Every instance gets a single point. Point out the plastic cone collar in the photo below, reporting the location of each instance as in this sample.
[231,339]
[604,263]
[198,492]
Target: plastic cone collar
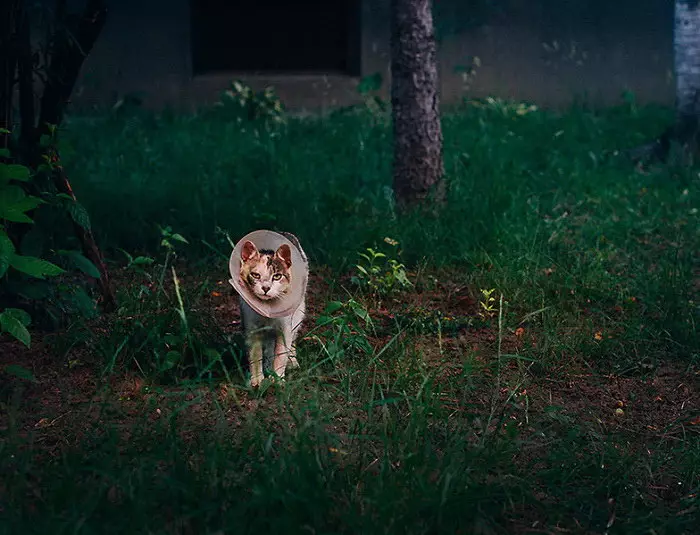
[268,239]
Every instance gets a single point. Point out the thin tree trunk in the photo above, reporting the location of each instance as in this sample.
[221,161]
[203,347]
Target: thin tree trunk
[686,47]
[418,166]
[687,65]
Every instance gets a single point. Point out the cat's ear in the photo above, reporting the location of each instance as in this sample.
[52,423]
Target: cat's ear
[249,251]
[284,253]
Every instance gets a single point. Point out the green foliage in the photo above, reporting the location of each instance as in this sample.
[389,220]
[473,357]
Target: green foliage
[344,329]
[25,197]
[14,205]
[240,102]
[369,87]
[380,273]
[14,322]
[156,328]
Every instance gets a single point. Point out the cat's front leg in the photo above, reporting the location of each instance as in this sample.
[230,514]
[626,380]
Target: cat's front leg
[255,360]
[281,352]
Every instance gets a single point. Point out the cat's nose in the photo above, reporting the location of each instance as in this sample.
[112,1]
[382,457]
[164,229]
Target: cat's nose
[265,289]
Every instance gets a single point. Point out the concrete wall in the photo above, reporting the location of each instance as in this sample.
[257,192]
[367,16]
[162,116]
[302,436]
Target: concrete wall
[603,48]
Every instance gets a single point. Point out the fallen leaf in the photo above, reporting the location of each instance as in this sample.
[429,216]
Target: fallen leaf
[598,336]
[519,331]
[695,421]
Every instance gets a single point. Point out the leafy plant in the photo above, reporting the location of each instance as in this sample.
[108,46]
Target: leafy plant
[15,204]
[241,102]
[487,307]
[343,329]
[155,328]
[380,273]
[14,322]
[368,87]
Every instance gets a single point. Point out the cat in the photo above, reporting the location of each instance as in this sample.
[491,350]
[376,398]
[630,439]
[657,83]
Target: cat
[268,275]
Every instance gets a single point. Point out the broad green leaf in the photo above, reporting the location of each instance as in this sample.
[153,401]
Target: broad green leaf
[16,216]
[36,267]
[14,172]
[28,203]
[142,261]
[4,153]
[14,202]
[179,237]
[82,263]
[10,195]
[7,251]
[333,306]
[14,328]
[76,210]
[79,214]
[20,315]
[21,372]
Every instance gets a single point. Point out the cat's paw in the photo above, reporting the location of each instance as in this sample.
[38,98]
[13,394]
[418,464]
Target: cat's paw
[255,381]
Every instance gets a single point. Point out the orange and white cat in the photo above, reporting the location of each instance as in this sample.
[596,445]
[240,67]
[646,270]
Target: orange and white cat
[268,275]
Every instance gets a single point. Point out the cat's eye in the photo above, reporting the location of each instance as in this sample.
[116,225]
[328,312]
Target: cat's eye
[276,276]
[255,275]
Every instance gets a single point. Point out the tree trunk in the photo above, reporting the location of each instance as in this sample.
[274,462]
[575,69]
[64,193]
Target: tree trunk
[686,44]
[686,48]
[418,166]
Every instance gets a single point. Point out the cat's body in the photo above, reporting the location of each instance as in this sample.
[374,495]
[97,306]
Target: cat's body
[268,340]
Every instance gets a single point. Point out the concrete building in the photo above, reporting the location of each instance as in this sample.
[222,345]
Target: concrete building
[185,52]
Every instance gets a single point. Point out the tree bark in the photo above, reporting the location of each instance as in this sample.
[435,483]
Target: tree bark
[686,47]
[418,166]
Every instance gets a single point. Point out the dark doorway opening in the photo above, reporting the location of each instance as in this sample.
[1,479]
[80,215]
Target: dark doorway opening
[276,36]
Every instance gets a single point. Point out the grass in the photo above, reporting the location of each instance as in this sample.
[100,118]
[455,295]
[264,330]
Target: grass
[571,407]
